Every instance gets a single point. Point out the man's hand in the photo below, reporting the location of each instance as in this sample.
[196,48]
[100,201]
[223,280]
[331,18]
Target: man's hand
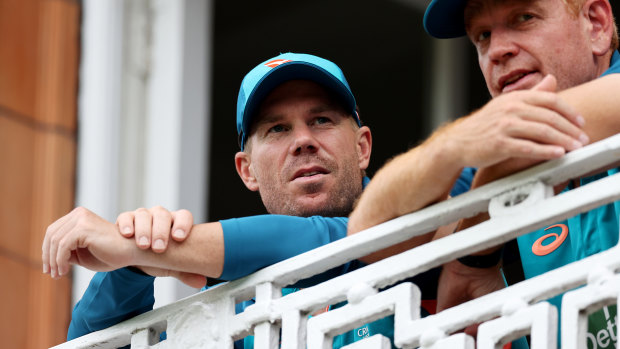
[531,124]
[81,237]
[153,227]
[459,283]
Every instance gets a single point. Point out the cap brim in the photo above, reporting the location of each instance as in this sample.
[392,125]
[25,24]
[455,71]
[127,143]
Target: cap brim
[295,70]
[444,19]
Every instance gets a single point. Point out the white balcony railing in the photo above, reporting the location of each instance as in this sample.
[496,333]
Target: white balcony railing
[518,204]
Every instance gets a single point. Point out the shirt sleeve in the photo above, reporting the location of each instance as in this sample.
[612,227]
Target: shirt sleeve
[252,243]
[463,183]
[110,298]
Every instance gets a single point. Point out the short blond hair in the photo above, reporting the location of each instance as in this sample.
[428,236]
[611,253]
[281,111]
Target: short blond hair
[575,6]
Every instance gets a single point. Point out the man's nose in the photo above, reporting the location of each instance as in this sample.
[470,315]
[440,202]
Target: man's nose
[502,46]
[303,141]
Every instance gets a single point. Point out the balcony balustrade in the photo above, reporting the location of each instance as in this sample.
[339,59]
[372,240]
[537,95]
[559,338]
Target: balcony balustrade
[517,205]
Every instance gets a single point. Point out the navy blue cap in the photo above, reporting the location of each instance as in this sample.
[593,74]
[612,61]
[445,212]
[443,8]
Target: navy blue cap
[445,19]
[261,80]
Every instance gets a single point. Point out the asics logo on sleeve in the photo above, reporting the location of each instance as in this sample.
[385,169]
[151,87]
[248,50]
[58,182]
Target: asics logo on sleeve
[542,250]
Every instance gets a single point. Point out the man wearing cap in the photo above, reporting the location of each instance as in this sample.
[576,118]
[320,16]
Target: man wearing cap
[526,50]
[303,149]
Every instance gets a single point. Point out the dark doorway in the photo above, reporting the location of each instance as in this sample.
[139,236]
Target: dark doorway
[380,45]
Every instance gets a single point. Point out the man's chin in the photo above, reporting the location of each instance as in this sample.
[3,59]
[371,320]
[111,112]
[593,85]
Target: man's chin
[320,207]
[312,203]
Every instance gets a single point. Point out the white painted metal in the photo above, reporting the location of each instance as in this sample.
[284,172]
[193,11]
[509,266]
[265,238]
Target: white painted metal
[603,290]
[439,340]
[294,325]
[267,334]
[99,116]
[144,338]
[176,136]
[402,300]
[508,313]
[374,342]
[539,320]
[143,112]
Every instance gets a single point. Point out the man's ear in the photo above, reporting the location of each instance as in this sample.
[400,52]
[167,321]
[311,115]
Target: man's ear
[600,17]
[364,146]
[243,163]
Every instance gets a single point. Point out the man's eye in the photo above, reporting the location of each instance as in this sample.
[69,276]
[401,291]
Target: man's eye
[483,36]
[276,128]
[322,120]
[524,17]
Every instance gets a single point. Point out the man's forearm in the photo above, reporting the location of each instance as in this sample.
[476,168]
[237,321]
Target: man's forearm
[535,125]
[598,103]
[410,181]
[201,253]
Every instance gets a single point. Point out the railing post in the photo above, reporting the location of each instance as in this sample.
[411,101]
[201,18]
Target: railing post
[267,334]
[144,338]
[438,340]
[201,325]
[518,319]
[294,332]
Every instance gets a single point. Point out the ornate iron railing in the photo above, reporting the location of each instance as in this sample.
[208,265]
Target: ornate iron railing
[517,204]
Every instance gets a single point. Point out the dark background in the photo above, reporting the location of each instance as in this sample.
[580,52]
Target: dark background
[381,47]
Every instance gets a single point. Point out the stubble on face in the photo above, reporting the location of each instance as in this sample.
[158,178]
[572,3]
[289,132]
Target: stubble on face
[314,199]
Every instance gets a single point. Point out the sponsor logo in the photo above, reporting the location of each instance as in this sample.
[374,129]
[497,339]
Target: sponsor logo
[607,333]
[363,332]
[277,62]
[542,250]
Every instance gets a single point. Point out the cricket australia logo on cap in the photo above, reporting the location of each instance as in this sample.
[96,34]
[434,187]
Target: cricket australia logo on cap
[277,62]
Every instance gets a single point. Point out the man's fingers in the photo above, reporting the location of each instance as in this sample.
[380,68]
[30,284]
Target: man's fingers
[565,118]
[548,83]
[182,224]
[553,102]
[143,227]
[53,249]
[542,118]
[45,251]
[162,220]
[65,246]
[544,134]
[45,247]
[53,235]
[527,149]
[561,124]
[125,223]
[152,228]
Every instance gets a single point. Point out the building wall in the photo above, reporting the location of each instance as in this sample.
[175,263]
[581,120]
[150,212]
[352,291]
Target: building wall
[38,86]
